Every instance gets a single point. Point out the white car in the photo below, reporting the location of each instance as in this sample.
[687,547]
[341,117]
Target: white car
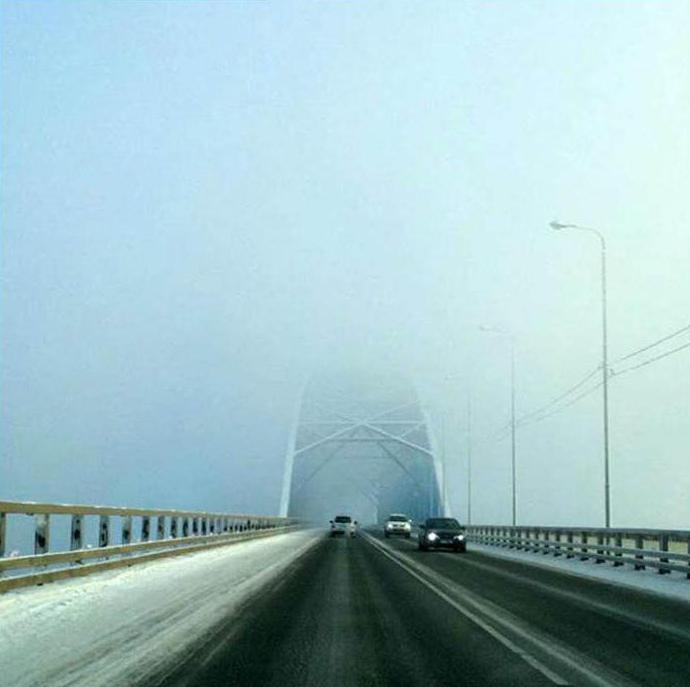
[397,524]
[343,525]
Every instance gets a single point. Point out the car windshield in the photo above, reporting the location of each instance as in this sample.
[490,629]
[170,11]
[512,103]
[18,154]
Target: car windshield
[343,518]
[397,518]
[443,523]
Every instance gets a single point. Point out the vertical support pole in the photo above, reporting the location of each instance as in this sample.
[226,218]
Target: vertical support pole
[42,534]
[195,526]
[173,527]
[546,539]
[126,529]
[3,533]
[145,528]
[639,544]
[600,542]
[663,546]
[103,531]
[160,527]
[211,525]
[618,542]
[76,537]
[569,538]
[204,526]
[557,548]
[583,546]
[185,526]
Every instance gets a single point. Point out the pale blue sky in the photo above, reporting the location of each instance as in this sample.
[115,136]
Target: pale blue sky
[203,200]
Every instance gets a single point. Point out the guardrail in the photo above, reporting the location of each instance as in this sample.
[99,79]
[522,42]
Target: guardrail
[665,550]
[175,532]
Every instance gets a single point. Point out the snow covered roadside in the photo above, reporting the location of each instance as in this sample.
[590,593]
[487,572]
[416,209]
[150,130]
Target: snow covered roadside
[117,628]
[674,585]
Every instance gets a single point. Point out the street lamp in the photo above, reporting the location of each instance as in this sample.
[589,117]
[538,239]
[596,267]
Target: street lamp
[512,412]
[558,226]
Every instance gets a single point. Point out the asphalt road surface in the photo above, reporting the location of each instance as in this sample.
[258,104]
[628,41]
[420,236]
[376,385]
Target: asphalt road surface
[367,612]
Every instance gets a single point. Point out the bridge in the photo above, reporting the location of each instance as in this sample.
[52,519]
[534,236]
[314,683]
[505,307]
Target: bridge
[111,595]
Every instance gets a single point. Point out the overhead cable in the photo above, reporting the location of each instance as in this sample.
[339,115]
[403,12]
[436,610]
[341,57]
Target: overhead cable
[559,398]
[616,373]
[652,345]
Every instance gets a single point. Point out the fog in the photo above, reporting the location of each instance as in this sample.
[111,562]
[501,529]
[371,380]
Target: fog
[203,204]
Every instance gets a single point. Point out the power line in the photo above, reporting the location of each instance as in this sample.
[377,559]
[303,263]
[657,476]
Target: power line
[559,398]
[571,402]
[539,414]
[615,373]
[651,345]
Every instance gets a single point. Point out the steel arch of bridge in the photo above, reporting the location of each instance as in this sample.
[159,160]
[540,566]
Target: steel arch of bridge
[364,446]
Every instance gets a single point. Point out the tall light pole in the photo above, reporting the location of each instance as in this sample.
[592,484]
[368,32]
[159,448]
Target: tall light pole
[468,437]
[512,415]
[604,359]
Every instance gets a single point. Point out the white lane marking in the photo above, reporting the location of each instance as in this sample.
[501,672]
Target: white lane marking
[569,657]
[553,677]
[603,608]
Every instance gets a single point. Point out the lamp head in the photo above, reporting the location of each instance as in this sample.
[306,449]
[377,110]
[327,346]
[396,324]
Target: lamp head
[558,225]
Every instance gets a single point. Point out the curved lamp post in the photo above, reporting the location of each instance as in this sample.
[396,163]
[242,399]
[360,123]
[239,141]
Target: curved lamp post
[558,226]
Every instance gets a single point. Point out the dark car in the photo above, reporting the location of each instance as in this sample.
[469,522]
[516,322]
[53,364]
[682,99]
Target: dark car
[441,533]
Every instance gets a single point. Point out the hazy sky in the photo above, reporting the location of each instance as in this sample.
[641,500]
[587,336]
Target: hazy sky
[203,201]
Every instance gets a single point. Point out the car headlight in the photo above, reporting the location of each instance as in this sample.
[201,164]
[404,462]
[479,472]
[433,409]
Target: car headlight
[460,537]
[406,526]
[432,536]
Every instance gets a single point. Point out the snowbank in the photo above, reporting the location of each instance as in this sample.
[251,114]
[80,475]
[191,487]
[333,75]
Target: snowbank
[117,628]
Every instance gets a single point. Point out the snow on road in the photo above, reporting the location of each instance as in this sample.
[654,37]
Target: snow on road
[118,628]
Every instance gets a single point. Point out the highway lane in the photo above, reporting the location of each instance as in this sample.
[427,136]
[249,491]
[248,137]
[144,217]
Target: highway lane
[372,612]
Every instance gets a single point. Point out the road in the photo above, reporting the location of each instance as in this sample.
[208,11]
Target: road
[368,612]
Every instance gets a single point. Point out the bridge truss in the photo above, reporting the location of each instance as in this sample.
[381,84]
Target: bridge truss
[361,446]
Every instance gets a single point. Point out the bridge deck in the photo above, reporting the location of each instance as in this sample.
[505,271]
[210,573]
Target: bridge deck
[303,609]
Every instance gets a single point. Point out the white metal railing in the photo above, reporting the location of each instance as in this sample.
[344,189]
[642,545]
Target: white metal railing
[665,550]
[144,534]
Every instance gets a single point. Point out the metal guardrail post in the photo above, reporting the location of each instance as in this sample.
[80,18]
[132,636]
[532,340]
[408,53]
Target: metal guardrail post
[583,546]
[126,529]
[160,527]
[173,527]
[76,537]
[600,552]
[557,550]
[42,534]
[569,537]
[639,544]
[663,546]
[145,528]
[103,531]
[195,526]
[618,541]
[3,533]
[185,527]
[204,526]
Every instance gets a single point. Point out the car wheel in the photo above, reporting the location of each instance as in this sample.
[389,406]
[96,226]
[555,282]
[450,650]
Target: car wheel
[386,535]
[407,535]
[422,547]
